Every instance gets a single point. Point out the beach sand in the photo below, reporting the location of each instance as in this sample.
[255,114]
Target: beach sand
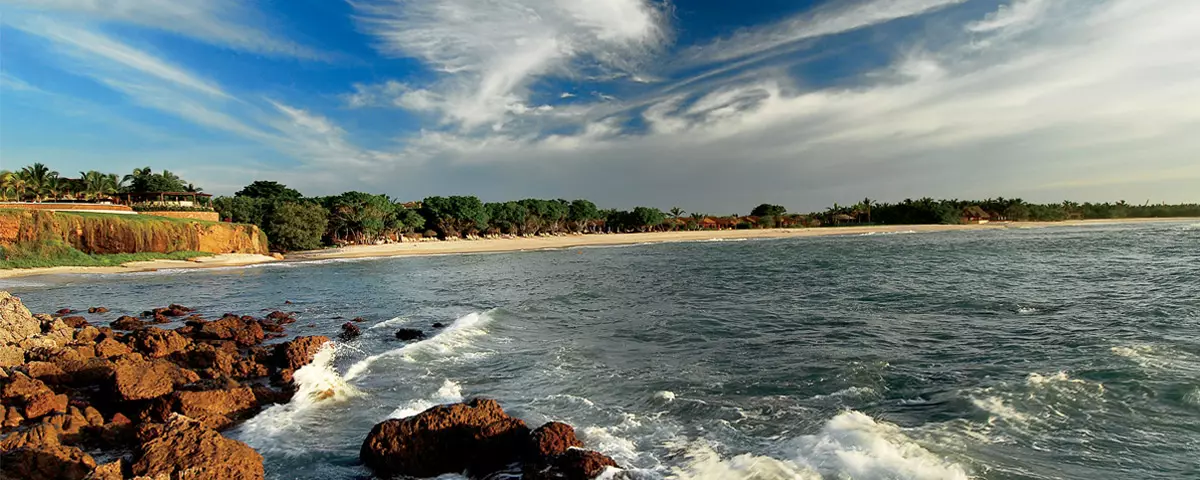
[555,242]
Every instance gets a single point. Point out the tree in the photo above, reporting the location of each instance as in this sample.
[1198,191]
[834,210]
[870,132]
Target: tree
[455,216]
[296,226]
[507,217]
[358,217]
[243,210]
[270,190]
[676,213]
[647,218]
[582,213]
[866,205]
[97,184]
[38,178]
[768,210]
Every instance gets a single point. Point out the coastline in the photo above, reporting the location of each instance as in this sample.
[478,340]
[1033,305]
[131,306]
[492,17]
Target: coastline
[551,243]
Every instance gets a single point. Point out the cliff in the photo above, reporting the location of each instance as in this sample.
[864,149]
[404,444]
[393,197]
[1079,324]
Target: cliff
[97,233]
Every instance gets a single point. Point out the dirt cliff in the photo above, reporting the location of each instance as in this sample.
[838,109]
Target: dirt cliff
[108,233]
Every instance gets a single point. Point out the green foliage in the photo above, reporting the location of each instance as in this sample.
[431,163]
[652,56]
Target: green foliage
[582,213]
[641,219]
[56,253]
[243,209]
[507,217]
[171,208]
[296,226]
[144,180]
[454,216]
[269,190]
[768,210]
[358,217]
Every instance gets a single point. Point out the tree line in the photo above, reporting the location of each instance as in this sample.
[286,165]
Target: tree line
[931,211]
[38,183]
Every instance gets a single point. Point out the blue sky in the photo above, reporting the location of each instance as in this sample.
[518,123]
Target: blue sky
[710,105]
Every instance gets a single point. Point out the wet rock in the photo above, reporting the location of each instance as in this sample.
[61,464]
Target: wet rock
[50,462]
[278,315]
[64,311]
[573,464]
[158,343]
[552,439]
[161,319]
[126,322]
[350,331]
[188,449]
[407,334]
[16,323]
[439,325]
[97,310]
[265,395]
[299,352]
[435,441]
[75,322]
[172,311]
[358,320]
[214,408]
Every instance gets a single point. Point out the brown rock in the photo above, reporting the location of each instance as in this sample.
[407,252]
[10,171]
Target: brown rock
[552,439]
[350,331]
[58,331]
[47,372]
[16,323]
[64,311]
[75,322]
[143,380]
[44,404]
[126,322]
[51,462]
[574,464]
[299,352]
[214,408]
[11,356]
[87,334]
[245,333]
[97,310]
[157,343]
[93,416]
[70,423]
[277,315]
[109,348]
[39,435]
[264,395]
[13,418]
[20,388]
[212,361]
[109,471]
[188,449]
[435,441]
[160,318]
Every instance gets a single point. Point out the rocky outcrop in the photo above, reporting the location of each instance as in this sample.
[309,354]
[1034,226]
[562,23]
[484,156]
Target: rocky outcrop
[124,234]
[350,331]
[436,442]
[408,334]
[60,381]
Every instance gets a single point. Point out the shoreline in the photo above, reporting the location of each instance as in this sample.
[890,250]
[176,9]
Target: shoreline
[552,243]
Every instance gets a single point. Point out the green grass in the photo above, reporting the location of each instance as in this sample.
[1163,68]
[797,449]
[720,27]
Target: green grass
[55,253]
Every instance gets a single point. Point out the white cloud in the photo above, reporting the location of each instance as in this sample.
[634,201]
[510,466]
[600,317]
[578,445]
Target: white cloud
[489,53]
[229,23]
[1019,14]
[9,82]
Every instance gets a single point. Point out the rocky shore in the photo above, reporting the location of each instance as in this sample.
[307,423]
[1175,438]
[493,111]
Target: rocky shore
[134,400]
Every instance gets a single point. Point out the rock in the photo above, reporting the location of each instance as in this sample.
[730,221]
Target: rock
[278,315]
[157,343]
[64,311]
[87,334]
[172,311]
[109,348]
[70,423]
[350,331]
[46,372]
[407,334]
[211,361]
[574,464]
[277,256]
[16,323]
[245,333]
[97,310]
[13,418]
[264,395]
[45,404]
[51,462]
[75,322]
[40,435]
[187,449]
[476,437]
[93,417]
[126,322]
[109,471]
[298,352]
[20,388]
[552,439]
[160,318]
[143,380]
[214,408]
[439,325]
[11,356]
[358,320]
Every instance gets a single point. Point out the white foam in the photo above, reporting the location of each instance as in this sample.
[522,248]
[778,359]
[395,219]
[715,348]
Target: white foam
[450,392]
[665,395]
[848,392]
[388,323]
[454,337]
[850,445]
[998,409]
[897,232]
[317,385]
[1027,310]
[1193,397]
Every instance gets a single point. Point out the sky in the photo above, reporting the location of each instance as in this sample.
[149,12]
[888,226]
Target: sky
[710,105]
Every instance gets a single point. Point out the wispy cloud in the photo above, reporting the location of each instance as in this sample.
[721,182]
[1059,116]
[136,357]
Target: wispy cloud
[9,82]
[488,54]
[228,23]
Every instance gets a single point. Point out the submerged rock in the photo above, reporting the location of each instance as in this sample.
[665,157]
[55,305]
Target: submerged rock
[97,310]
[350,331]
[476,437]
[126,322]
[407,334]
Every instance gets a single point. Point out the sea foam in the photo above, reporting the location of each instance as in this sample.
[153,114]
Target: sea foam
[449,392]
[454,337]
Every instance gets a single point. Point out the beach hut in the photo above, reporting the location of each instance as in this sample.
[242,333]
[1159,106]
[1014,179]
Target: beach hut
[975,214]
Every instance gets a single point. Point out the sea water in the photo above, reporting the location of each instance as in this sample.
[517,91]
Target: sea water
[1063,352]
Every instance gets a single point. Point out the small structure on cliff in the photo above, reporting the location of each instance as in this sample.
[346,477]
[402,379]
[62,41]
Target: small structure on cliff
[167,199]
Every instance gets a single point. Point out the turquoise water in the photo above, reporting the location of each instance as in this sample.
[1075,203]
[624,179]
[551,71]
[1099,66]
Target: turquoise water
[1065,352]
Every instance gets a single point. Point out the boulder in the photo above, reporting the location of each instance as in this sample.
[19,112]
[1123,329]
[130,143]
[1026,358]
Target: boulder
[75,322]
[97,310]
[350,331]
[550,440]
[187,449]
[109,348]
[277,315]
[16,323]
[574,464]
[64,311]
[357,319]
[50,462]
[143,380]
[298,352]
[20,388]
[47,372]
[109,471]
[208,360]
[87,334]
[37,436]
[11,356]
[439,325]
[245,333]
[407,334]
[45,404]
[157,343]
[70,423]
[126,322]
[12,418]
[214,408]
[476,437]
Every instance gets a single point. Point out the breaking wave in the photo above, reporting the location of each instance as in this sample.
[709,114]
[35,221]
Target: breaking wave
[449,392]
[458,335]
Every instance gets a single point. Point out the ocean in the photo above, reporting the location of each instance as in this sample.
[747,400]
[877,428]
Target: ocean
[1045,353]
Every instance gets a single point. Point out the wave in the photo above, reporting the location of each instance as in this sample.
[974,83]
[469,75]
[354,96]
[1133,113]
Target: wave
[449,392]
[391,322]
[317,385]
[850,445]
[458,335]
[852,392]
[898,232]
[1152,357]
[1027,310]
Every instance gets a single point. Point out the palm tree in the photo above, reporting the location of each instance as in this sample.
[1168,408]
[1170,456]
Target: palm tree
[37,177]
[13,185]
[132,178]
[676,212]
[866,203]
[53,187]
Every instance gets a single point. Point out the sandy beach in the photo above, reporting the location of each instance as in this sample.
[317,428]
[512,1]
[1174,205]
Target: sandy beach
[544,243]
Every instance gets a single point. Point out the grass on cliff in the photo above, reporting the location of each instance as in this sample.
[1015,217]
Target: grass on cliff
[56,253]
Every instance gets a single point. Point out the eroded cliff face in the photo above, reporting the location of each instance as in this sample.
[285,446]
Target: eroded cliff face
[101,233]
